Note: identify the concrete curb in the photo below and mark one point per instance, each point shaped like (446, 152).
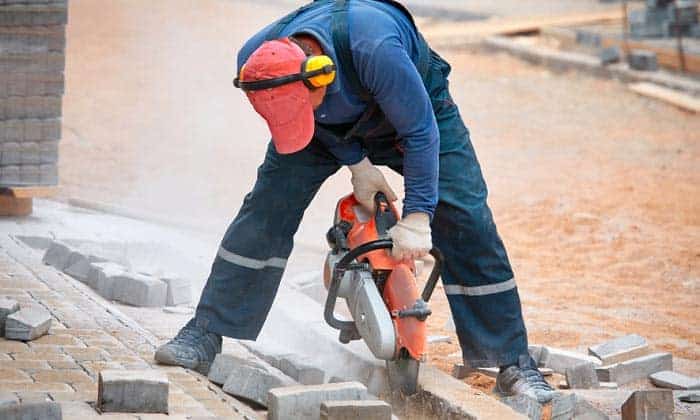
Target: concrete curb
(565, 61)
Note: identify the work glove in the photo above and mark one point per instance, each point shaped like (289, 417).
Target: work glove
(411, 236)
(367, 181)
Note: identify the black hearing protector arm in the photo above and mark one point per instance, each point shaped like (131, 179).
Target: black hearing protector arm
(279, 81)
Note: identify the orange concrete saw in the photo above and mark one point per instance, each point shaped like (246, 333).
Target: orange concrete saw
(381, 292)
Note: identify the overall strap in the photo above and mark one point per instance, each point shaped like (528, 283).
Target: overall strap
(276, 30)
(341, 44)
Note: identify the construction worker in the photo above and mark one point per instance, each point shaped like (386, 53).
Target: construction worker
(353, 83)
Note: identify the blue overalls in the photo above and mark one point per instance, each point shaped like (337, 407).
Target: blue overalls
(477, 275)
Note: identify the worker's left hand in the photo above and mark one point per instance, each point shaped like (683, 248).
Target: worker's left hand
(411, 236)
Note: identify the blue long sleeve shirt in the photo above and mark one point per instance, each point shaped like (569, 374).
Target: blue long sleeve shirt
(384, 47)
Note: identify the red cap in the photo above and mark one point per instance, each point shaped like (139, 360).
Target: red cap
(287, 108)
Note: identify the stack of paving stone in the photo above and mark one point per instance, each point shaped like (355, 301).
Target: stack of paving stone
(32, 61)
(665, 18)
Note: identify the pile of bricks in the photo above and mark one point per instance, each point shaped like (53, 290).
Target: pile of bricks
(665, 18)
(32, 61)
(116, 282)
(291, 387)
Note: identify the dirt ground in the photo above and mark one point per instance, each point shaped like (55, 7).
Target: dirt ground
(596, 191)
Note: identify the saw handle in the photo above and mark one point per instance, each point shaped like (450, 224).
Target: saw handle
(352, 255)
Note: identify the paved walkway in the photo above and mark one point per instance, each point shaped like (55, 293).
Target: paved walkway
(87, 336)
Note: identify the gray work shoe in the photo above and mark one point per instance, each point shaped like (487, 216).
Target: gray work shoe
(192, 348)
(524, 379)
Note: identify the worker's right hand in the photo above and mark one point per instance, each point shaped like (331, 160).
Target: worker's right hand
(367, 181)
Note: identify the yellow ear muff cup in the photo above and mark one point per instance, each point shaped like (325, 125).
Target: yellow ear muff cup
(318, 62)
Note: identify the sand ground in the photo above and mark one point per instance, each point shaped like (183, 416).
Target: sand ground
(594, 189)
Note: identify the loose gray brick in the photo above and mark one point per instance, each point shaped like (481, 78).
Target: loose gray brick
(225, 363)
(30, 411)
(9, 175)
(27, 324)
(649, 405)
(18, 107)
(536, 353)
(48, 174)
(47, 131)
(643, 60)
(301, 370)
(524, 405)
(667, 379)
(29, 174)
(33, 63)
(58, 255)
(79, 266)
(352, 410)
(253, 382)
(101, 278)
(8, 398)
(582, 376)
(133, 391)
(30, 83)
(33, 15)
(140, 290)
(179, 291)
(635, 369)
(48, 152)
(30, 153)
(32, 39)
(304, 402)
(7, 307)
(559, 360)
(620, 349)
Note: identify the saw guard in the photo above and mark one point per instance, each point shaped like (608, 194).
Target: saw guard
(401, 293)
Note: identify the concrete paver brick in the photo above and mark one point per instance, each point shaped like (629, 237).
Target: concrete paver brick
(558, 360)
(674, 380)
(64, 365)
(86, 354)
(251, 381)
(179, 291)
(139, 290)
(13, 375)
(57, 340)
(525, 405)
(57, 255)
(635, 369)
(7, 307)
(27, 365)
(61, 375)
(133, 391)
(35, 387)
(43, 411)
(620, 349)
(27, 324)
(224, 364)
(29, 396)
(649, 405)
(33, 357)
(301, 370)
(11, 346)
(350, 410)
(304, 402)
(582, 376)
(101, 278)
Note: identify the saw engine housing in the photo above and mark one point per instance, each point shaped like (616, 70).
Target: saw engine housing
(387, 309)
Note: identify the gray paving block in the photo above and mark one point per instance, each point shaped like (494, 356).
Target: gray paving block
(179, 291)
(32, 39)
(48, 174)
(33, 15)
(586, 411)
(635, 369)
(29, 174)
(352, 410)
(610, 55)
(301, 370)
(48, 152)
(58, 255)
(649, 405)
(643, 60)
(8, 398)
(79, 266)
(31, 411)
(17, 107)
(559, 360)
(101, 278)
(31, 84)
(7, 307)
(29, 151)
(9, 175)
(524, 405)
(27, 324)
(620, 349)
(139, 290)
(253, 382)
(582, 376)
(304, 402)
(535, 352)
(664, 379)
(225, 363)
(133, 391)
(33, 63)
(42, 131)
(10, 154)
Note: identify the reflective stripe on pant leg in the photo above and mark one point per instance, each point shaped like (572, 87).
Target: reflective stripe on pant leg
(250, 262)
(490, 289)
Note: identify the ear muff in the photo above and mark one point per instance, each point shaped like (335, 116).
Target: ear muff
(321, 65)
(316, 72)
